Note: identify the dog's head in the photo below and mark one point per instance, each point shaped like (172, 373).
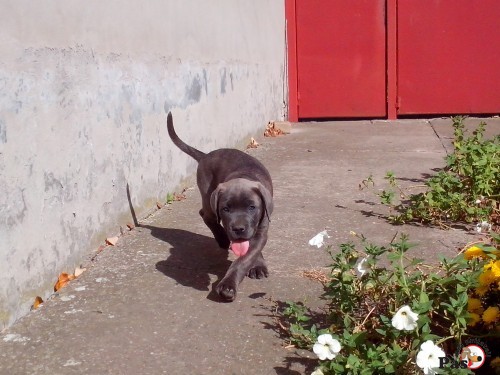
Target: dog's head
(241, 205)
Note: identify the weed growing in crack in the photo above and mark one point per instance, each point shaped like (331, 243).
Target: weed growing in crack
(466, 190)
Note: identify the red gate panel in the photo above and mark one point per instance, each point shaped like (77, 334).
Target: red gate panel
(341, 58)
(448, 56)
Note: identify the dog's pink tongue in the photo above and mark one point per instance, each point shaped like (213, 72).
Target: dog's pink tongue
(240, 248)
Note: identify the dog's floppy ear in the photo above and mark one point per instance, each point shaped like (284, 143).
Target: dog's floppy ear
(214, 200)
(267, 198)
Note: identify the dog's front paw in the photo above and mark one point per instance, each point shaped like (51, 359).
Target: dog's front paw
(258, 272)
(227, 290)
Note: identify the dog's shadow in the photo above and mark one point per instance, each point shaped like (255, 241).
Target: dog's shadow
(193, 257)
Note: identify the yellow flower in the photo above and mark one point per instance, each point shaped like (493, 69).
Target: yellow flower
(473, 319)
(473, 252)
(481, 290)
(486, 278)
(473, 304)
(495, 268)
(495, 362)
(490, 314)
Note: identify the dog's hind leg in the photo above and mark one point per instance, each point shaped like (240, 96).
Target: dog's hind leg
(217, 229)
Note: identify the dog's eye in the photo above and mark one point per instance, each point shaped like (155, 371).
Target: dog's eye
(225, 209)
(251, 208)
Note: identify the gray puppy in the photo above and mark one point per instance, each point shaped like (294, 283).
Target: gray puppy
(236, 189)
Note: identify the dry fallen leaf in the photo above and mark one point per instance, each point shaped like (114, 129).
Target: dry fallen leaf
(179, 197)
(130, 226)
(112, 241)
(253, 143)
(79, 271)
(316, 275)
(159, 205)
(37, 303)
(272, 130)
(63, 279)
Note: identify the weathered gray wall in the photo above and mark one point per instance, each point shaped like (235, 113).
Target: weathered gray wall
(84, 87)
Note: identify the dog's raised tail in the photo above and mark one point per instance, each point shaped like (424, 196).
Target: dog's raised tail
(191, 151)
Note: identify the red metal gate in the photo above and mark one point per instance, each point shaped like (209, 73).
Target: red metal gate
(341, 58)
(389, 58)
(448, 56)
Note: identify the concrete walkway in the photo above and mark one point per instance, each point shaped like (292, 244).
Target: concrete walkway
(146, 306)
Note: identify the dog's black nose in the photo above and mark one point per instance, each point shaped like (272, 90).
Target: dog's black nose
(238, 229)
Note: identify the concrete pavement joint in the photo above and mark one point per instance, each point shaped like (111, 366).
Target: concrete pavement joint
(438, 136)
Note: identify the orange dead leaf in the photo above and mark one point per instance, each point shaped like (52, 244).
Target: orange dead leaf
(130, 226)
(253, 143)
(159, 205)
(112, 241)
(37, 303)
(63, 279)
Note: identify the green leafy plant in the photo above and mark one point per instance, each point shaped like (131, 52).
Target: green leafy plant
(466, 190)
(169, 198)
(301, 333)
(382, 319)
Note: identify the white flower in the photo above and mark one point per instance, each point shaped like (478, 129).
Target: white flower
(361, 267)
(405, 319)
(317, 372)
(318, 240)
(483, 226)
(326, 347)
(428, 357)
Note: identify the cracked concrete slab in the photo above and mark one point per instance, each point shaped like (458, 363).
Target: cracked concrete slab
(444, 130)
